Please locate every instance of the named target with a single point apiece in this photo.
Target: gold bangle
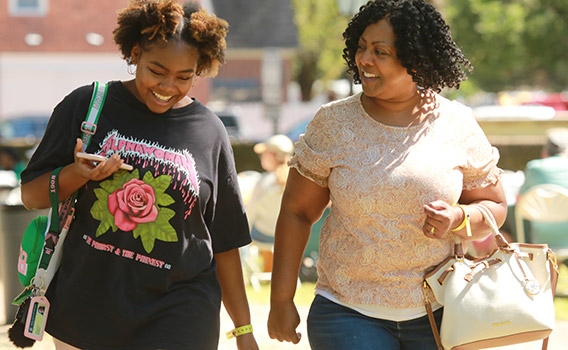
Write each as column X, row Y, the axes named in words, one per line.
column 239, row 331
column 465, row 223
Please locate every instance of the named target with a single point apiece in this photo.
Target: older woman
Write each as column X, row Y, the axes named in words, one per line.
column 401, row 165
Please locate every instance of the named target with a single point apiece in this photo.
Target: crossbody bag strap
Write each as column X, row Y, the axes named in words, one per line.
column 60, row 215
column 88, row 129
column 89, row 126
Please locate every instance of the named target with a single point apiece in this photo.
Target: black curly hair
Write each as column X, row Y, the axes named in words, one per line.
column 145, row 22
column 423, row 44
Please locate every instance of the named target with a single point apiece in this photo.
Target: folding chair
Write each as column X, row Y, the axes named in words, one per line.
column 548, row 204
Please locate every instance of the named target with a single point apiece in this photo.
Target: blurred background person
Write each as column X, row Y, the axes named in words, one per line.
column 11, row 161
column 552, row 167
column 263, row 204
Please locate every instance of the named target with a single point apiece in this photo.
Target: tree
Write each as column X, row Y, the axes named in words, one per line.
column 320, row 28
column 513, row 43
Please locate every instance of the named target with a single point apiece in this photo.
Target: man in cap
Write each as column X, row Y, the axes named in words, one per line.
column 263, row 205
column 552, row 168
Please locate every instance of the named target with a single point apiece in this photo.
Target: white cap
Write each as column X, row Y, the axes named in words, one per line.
column 557, row 141
column 281, row 145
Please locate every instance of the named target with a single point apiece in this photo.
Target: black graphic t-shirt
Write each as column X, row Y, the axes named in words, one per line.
column 137, row 269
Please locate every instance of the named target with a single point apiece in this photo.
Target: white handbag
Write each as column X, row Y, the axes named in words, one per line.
column 504, row 298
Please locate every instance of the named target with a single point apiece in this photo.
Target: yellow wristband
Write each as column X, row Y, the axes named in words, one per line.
column 465, row 223
column 239, row 331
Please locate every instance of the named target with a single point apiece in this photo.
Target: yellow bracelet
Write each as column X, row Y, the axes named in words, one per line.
column 239, row 331
column 465, row 221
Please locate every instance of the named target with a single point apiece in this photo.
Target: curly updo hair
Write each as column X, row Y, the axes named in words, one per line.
column 146, row 22
column 423, row 43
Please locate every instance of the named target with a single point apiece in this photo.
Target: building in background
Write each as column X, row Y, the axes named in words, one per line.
column 50, row 47
column 259, row 29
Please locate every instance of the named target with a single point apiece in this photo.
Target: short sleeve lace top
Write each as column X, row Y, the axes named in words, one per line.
column 372, row 249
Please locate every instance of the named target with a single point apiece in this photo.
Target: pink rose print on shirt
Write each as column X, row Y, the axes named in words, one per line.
column 140, row 206
column 133, row 205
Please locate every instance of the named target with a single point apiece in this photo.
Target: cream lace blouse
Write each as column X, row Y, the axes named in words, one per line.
column 372, row 249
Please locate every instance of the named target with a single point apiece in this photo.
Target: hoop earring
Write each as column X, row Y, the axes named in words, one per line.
column 131, row 69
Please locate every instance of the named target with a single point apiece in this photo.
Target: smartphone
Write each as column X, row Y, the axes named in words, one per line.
column 97, row 158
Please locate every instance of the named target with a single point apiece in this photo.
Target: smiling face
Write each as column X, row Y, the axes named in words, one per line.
column 165, row 73
column 382, row 75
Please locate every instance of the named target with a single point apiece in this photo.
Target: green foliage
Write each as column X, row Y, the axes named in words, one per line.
column 320, row 28
column 561, row 303
column 512, row 43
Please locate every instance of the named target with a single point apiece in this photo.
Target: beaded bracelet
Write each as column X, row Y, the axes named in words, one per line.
column 239, row 331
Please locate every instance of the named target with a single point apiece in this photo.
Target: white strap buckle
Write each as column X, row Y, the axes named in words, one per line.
column 88, row 128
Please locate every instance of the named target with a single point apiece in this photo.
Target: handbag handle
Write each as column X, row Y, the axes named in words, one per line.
column 500, row 240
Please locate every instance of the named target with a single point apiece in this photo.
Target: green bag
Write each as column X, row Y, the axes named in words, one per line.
column 31, row 248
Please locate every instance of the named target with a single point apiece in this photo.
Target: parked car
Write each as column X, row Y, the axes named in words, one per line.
column 23, row 131
column 557, row 101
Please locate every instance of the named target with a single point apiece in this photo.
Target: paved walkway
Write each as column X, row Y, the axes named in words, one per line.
column 558, row 340
column 259, row 315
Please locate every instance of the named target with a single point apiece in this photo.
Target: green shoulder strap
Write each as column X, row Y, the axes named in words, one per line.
column 88, row 129
column 89, row 126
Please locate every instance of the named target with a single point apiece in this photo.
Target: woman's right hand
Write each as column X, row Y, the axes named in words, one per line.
column 72, row 177
column 283, row 320
column 88, row 170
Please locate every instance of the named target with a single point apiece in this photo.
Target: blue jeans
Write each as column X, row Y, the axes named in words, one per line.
column 335, row 327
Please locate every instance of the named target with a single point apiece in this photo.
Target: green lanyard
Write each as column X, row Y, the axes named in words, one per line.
column 52, row 234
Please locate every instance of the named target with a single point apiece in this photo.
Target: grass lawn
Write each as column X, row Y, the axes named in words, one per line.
column 561, row 303
column 305, row 294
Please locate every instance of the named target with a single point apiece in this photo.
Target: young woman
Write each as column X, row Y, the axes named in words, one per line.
column 394, row 160
column 152, row 251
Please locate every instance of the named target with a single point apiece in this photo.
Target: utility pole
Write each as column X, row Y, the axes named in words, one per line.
column 272, row 85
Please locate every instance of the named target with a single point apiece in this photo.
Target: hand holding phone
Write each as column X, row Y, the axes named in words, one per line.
column 97, row 158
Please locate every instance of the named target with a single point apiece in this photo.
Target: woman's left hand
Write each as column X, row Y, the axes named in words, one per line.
column 246, row 342
column 441, row 217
